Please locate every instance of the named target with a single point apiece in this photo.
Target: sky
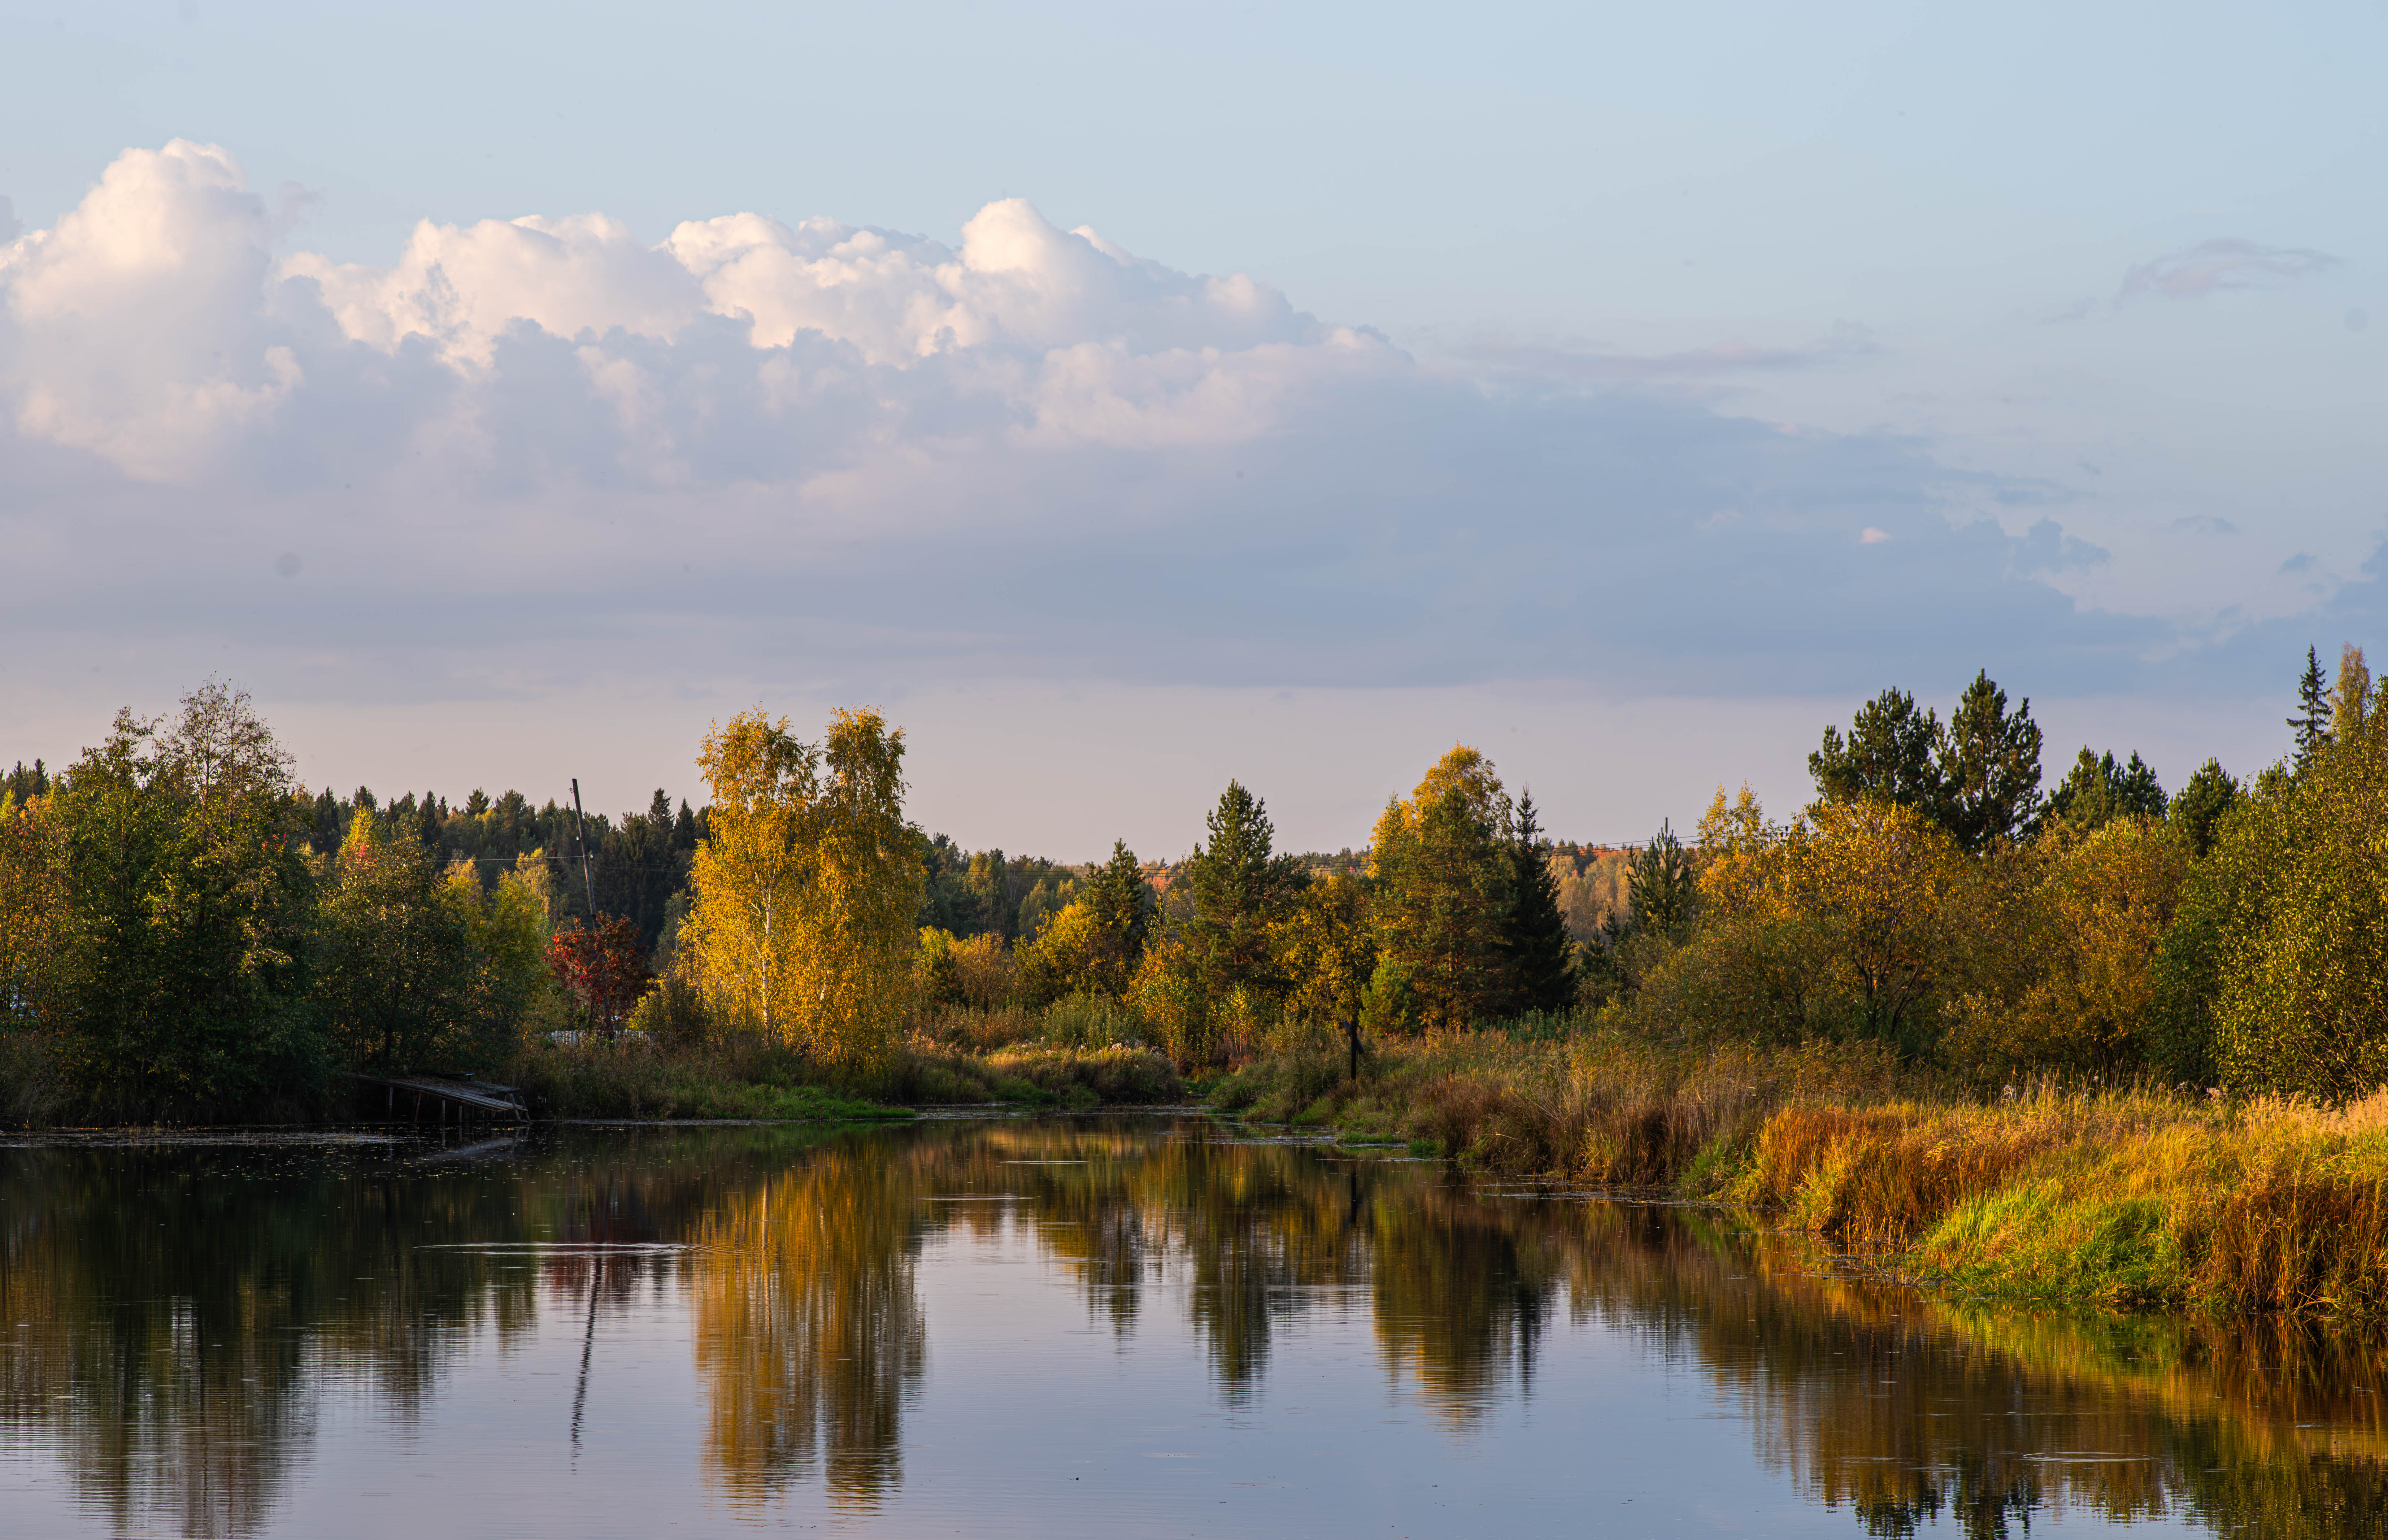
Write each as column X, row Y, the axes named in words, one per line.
column 1124, row 399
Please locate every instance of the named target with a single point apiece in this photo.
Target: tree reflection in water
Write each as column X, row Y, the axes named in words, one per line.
column 185, row 1310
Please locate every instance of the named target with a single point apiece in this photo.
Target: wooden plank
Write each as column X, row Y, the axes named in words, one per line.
column 504, row 1101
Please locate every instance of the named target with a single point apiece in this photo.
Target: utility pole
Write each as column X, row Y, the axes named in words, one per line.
column 580, row 831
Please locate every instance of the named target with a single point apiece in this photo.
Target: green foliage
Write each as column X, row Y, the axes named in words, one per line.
column 1989, row 768
column 1240, row 888
column 2299, row 938
column 1327, row 951
column 1170, row 998
column 181, row 970
column 1093, row 944
column 1978, row 778
column 421, row 970
column 1539, row 952
column 2199, row 807
column 936, row 970
column 2311, row 724
column 1090, row 1021
column 1888, row 756
column 1662, row 893
column 1390, row 1006
column 1442, row 873
column 1121, row 904
column 2098, row 789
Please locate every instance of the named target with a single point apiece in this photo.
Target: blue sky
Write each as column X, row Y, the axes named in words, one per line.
column 1643, row 385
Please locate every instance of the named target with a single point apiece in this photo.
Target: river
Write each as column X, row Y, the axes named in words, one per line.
column 1133, row 1326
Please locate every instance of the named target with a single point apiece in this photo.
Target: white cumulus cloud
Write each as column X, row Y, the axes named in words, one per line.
column 536, row 450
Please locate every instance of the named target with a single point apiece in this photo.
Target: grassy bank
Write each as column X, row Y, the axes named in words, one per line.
column 765, row 1081
column 977, row 1058
column 2126, row 1198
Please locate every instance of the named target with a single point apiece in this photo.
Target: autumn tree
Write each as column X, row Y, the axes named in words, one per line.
column 1093, row 944
column 1443, row 873
column 1856, row 920
column 805, row 893
column 600, row 964
column 2275, row 976
column 2070, row 955
column 1327, row 951
column 29, row 909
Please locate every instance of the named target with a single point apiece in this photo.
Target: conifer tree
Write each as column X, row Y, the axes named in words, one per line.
column 1889, row 756
column 2199, row 806
column 1663, row 892
column 1121, row 904
column 1541, row 953
column 1989, row 768
column 2311, row 723
column 2099, row 790
column 1241, row 887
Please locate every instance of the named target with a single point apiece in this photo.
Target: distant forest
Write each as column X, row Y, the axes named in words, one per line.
column 638, row 863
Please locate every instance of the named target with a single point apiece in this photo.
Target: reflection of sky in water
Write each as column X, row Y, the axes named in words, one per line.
column 1017, row 1330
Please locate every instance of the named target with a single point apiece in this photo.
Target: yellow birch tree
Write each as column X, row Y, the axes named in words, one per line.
column 806, row 893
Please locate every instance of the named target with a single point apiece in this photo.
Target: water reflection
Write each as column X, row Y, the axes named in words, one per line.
column 808, row 1325
column 173, row 1320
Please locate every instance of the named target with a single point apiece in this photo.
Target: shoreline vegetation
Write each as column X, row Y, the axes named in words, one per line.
column 2095, row 1045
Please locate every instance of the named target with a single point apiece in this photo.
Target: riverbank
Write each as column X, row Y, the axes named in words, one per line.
column 635, row 1080
column 2130, row 1199
column 765, row 1081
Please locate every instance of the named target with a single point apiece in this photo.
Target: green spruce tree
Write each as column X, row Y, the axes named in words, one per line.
column 2311, row 724
column 1240, row 885
column 1539, row 953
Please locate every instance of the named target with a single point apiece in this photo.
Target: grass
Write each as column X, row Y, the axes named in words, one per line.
column 2125, row 1198
column 756, row 1080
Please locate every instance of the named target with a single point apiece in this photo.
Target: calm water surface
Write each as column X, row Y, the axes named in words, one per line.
column 1138, row 1327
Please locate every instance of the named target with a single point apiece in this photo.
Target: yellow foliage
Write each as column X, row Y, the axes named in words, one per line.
column 1737, row 847
column 1068, row 957
column 805, row 894
column 2084, row 936
column 1327, row 950
column 1462, row 769
column 988, row 969
column 808, row 1329
column 1861, row 914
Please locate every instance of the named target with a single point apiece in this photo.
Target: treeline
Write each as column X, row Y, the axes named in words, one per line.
column 1451, row 915
column 1933, row 898
column 188, row 927
column 186, row 931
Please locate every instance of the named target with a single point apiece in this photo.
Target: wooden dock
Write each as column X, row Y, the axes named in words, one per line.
column 442, row 1101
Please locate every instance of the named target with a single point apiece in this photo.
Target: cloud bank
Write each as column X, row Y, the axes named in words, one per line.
column 545, row 451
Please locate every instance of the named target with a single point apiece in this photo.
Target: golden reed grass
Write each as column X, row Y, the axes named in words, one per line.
column 2130, row 1197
